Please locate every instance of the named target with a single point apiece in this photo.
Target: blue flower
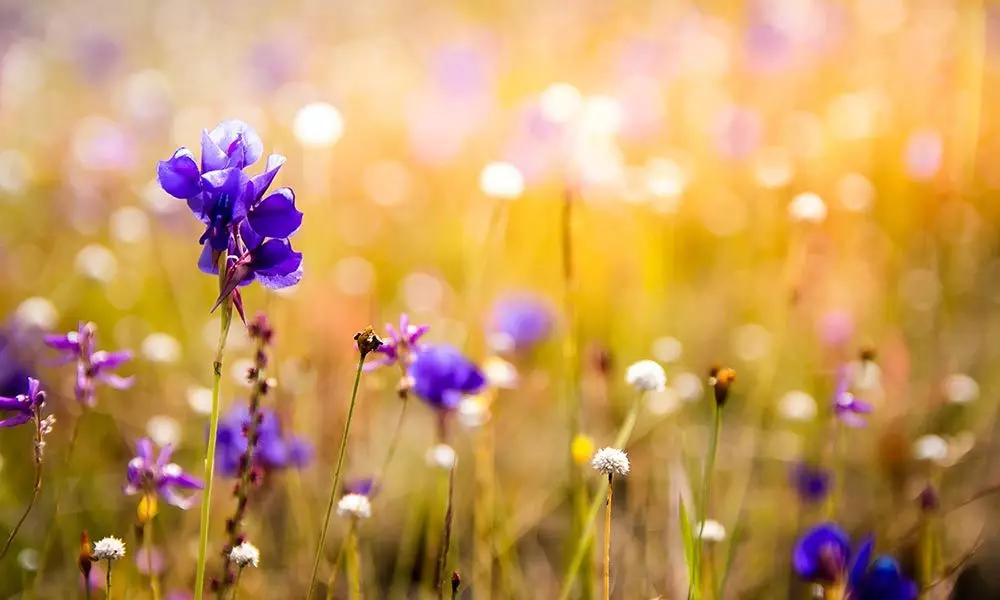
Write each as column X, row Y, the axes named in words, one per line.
column 812, row 483
column 274, row 450
column 519, row 322
column 442, row 376
column 363, row 487
column 848, row 408
column 399, row 345
column 92, row 365
column 147, row 473
column 24, row 406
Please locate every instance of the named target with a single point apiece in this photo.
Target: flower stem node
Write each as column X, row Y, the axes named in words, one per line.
column 367, row 341
column 721, row 379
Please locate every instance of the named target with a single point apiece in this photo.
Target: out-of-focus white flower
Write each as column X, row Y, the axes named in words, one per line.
column 646, row 376
column 355, row 506
column 867, row 375
column 711, row 531
column 663, row 402
column 442, row 456
column 473, row 411
column 109, row 548
column 797, row 405
column 245, row 555
column 610, row 461
column 318, row 125
column 667, row 349
column 200, row 400
column 933, row 448
column 689, row 386
column 500, row 373
column 164, row 430
column 37, row 312
column 807, row 207
column 28, row 559
column 96, row 262
column 161, row 348
column 959, row 388
column 501, row 180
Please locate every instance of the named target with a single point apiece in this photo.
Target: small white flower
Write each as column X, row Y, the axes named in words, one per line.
column 245, row 555
column 356, row 506
column 667, row 349
column 930, row 447
column 109, row 548
column 711, row 531
column 960, row 388
column 646, row 376
column 610, row 461
column 473, row 412
column 797, row 405
column 441, row 455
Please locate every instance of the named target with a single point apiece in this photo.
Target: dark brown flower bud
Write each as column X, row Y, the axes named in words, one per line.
column 867, row 354
column 456, row 582
column 86, row 557
column 721, row 379
column 367, row 341
column 260, row 328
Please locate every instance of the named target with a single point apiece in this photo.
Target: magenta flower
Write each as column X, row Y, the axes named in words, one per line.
column 25, row 406
column 848, row 408
column 92, row 366
column 158, row 475
column 400, row 345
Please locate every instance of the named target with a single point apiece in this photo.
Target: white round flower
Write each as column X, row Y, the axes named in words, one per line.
column 808, row 207
column 959, row 388
column 500, row 373
column 797, row 405
column 245, row 555
column 610, row 461
column 318, row 125
column 667, row 349
column 501, row 180
column 473, row 412
column 109, row 548
column 356, row 506
column 930, row 447
column 646, row 376
column 711, row 531
column 441, row 455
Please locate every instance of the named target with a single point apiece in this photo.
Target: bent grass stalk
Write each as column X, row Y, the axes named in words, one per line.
column 147, row 542
column 694, row 588
column 34, row 495
column 206, row 501
column 587, row 535
column 336, row 477
column 607, row 541
column 332, row 581
column 449, row 516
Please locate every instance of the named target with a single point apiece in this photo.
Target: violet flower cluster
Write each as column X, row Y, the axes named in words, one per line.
column 92, row 366
column 156, row 474
column 242, row 220
column 274, row 451
column 24, row 406
column 399, row 346
column 519, row 322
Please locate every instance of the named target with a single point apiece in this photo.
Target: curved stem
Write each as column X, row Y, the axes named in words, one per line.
column 236, row 584
column 394, row 442
column 336, row 479
column 50, row 538
column 24, row 516
column 607, row 542
column 147, row 542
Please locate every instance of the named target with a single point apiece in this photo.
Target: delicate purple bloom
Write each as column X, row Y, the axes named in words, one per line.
column 399, row 345
column 881, row 580
column 25, row 406
column 442, row 376
column 93, row 366
column 822, row 553
column 274, row 449
column 812, row 483
column 147, row 474
column 361, row 487
column 519, row 322
column 848, row 408
column 271, row 261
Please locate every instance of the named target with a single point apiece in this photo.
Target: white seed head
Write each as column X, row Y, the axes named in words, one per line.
column 109, row 548
column 930, row 447
column 610, row 461
column 711, row 531
column 441, row 455
column 960, row 388
column 646, row 376
column 245, row 555
column 356, row 506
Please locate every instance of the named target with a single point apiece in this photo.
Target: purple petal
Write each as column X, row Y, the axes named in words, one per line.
column 276, row 215
column 110, row 360
column 170, row 496
column 377, row 363
column 417, row 332
column 144, row 450
column 860, row 406
column 277, row 265
column 239, row 142
column 851, row 420
column 185, row 481
column 164, row 458
column 213, row 158
column 63, row 342
column 225, row 181
column 263, row 181
column 860, row 565
column 115, row 381
column 16, row 420
column 179, row 175
column 12, row 404
column 207, row 262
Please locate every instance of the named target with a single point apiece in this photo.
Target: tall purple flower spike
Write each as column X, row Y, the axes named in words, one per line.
column 149, row 474
column 93, row 366
column 399, row 345
column 848, row 408
column 25, row 406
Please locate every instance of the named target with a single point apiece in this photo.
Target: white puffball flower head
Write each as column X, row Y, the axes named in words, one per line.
column 646, row 376
column 318, row 125
column 711, row 531
column 441, row 456
column 930, row 447
column 245, row 555
column 109, row 548
column 807, row 207
column 355, row 506
column 501, row 180
column 610, row 461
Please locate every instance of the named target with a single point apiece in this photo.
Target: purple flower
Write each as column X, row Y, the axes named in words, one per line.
column 823, row 555
column 271, row 261
column 812, row 483
column 13, row 369
column 25, row 406
column 147, row 474
column 399, row 345
column 848, row 408
column 274, row 449
column 519, row 322
column 442, row 376
column 362, row 487
column 93, row 365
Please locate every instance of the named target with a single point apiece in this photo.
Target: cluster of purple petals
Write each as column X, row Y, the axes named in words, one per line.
column 274, row 449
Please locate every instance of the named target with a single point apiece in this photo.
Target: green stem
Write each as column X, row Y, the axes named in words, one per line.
column 449, row 516
column 332, row 581
column 336, row 479
column 147, row 542
column 107, row 582
column 27, row 510
column 236, row 584
column 353, row 565
column 587, row 535
column 706, row 487
column 213, row 428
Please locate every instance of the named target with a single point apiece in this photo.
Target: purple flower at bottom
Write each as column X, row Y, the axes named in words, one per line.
column 399, row 345
column 822, row 554
column 93, row 365
column 519, row 322
column 811, row 483
column 848, row 408
column 25, row 405
column 442, row 376
column 274, row 450
column 148, row 474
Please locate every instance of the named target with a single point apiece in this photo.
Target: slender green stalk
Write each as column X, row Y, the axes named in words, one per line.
column 336, row 477
column 147, row 542
column 449, row 517
column 332, row 581
column 607, row 541
column 706, row 489
column 86, row 586
column 353, row 564
column 587, row 535
column 27, row 510
column 213, row 428
column 236, row 584
column 107, row 582
column 394, row 441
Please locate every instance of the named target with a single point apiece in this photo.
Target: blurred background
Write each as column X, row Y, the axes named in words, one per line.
column 774, row 185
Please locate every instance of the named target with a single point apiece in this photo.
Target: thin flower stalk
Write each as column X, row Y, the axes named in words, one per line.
column 694, row 588
column 107, row 577
column 483, row 509
column 337, row 562
column 367, row 342
column 607, row 541
column 449, row 517
column 353, row 559
column 147, row 542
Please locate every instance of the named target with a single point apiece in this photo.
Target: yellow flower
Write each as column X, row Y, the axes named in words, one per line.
column 147, row 508
column 582, row 449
